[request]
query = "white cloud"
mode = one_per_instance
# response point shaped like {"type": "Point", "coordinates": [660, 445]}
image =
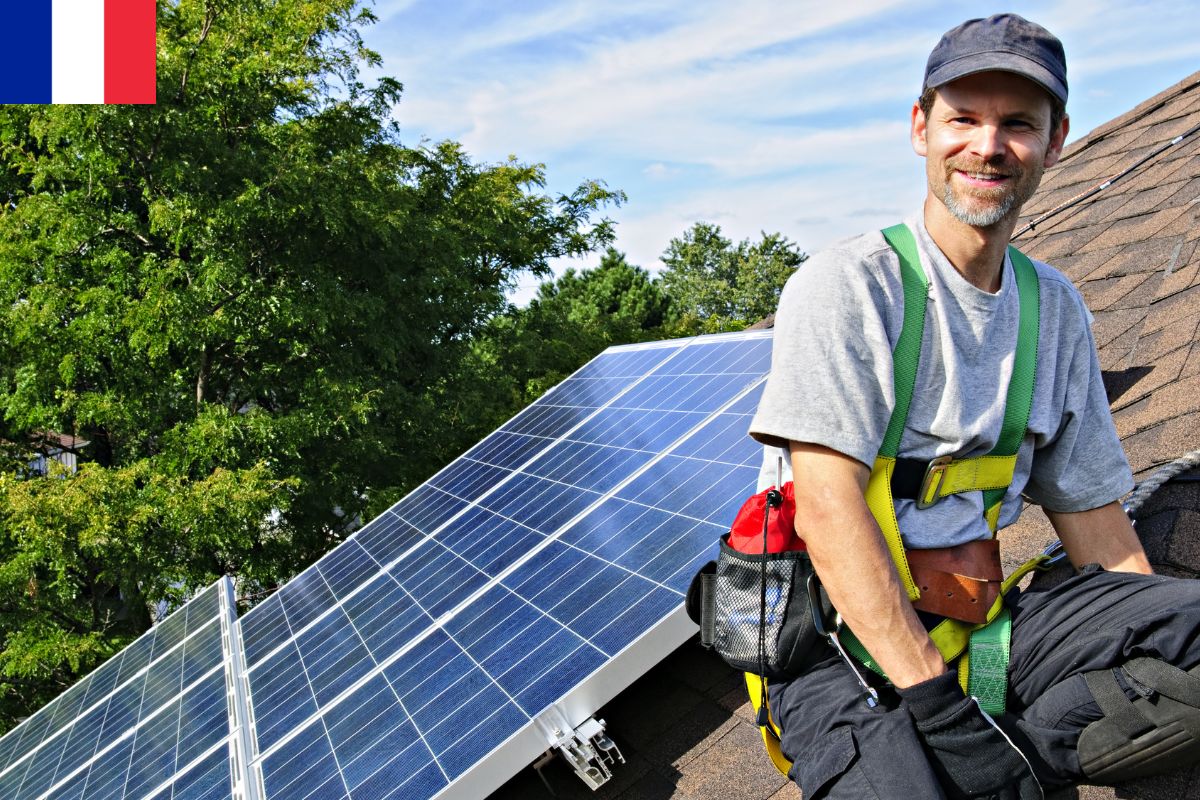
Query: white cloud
{"type": "Point", "coordinates": [854, 146]}
{"type": "Point", "coordinates": [810, 211]}
{"type": "Point", "coordinates": [519, 28]}
{"type": "Point", "coordinates": [764, 116]}
{"type": "Point", "coordinates": [708, 68]}
{"type": "Point", "coordinates": [659, 171]}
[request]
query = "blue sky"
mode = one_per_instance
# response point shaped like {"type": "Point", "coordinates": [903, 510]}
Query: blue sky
{"type": "Point", "coordinates": [776, 116]}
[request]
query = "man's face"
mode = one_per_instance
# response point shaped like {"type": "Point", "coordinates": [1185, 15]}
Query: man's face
{"type": "Point", "coordinates": [986, 142]}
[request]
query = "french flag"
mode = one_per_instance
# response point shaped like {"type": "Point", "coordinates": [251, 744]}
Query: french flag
{"type": "Point", "coordinates": [77, 51]}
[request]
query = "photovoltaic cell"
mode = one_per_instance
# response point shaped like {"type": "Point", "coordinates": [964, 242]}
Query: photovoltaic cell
{"type": "Point", "coordinates": [208, 779]}
{"type": "Point", "coordinates": [443, 498]}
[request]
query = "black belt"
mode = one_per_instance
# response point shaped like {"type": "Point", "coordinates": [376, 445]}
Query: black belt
{"type": "Point", "coordinates": [907, 478]}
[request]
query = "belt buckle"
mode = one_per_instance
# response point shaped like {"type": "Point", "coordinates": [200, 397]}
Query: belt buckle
{"type": "Point", "coordinates": [935, 474]}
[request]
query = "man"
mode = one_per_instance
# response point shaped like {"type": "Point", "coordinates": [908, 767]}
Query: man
{"type": "Point", "coordinates": [990, 121]}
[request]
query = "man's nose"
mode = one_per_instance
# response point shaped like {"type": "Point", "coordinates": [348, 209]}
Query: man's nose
{"type": "Point", "coordinates": [988, 142]}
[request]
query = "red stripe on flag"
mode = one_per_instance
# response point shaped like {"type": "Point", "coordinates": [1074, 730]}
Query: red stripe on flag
{"type": "Point", "coordinates": [129, 51]}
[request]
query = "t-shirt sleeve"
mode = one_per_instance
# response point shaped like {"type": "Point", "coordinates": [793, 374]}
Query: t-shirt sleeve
{"type": "Point", "coordinates": [831, 363]}
{"type": "Point", "coordinates": [1082, 464]}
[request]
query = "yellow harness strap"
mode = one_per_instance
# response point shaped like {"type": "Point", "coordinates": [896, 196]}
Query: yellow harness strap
{"type": "Point", "coordinates": [946, 478]}
{"type": "Point", "coordinates": [770, 733]}
{"type": "Point", "coordinates": [954, 476]}
{"type": "Point", "coordinates": [950, 636]}
{"type": "Point", "coordinates": [879, 500]}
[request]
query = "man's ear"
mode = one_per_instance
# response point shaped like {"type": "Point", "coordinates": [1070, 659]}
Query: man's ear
{"type": "Point", "coordinates": [917, 132]}
{"type": "Point", "coordinates": [1057, 139]}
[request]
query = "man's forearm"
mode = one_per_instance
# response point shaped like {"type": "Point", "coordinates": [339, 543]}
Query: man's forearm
{"type": "Point", "coordinates": [1101, 536]}
{"type": "Point", "coordinates": [851, 558]}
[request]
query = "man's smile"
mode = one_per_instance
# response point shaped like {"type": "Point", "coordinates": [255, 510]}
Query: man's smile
{"type": "Point", "coordinates": [976, 174]}
{"type": "Point", "coordinates": [986, 180]}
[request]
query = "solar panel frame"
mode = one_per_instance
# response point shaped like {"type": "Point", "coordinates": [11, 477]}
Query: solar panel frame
{"type": "Point", "coordinates": [392, 517]}
{"type": "Point", "coordinates": [109, 675]}
{"type": "Point", "coordinates": [613, 677]}
{"type": "Point", "coordinates": [530, 415]}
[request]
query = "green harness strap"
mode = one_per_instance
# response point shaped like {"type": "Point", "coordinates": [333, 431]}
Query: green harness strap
{"type": "Point", "coordinates": [906, 356]}
{"type": "Point", "coordinates": [986, 661]}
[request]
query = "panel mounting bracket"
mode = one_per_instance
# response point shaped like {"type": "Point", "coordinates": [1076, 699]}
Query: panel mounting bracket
{"type": "Point", "coordinates": [588, 749]}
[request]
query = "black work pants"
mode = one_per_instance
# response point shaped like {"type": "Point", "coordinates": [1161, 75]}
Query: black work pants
{"type": "Point", "coordinates": [840, 748]}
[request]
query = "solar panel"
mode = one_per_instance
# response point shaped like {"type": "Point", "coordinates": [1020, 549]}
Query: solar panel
{"type": "Point", "coordinates": [449, 626]}
{"type": "Point", "coordinates": [454, 638]}
{"type": "Point", "coordinates": [153, 713]}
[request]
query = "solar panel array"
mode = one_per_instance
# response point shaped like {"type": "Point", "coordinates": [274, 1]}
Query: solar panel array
{"type": "Point", "coordinates": [438, 650]}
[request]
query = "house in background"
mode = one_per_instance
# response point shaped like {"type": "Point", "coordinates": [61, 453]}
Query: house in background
{"type": "Point", "coordinates": [1120, 215]}
{"type": "Point", "coordinates": [56, 447]}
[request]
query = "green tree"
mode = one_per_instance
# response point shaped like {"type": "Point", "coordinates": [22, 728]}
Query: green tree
{"type": "Point", "coordinates": [248, 299]}
{"type": "Point", "coordinates": [614, 303]}
{"type": "Point", "coordinates": [718, 286]}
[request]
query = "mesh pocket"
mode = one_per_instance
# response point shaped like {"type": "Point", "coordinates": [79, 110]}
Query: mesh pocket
{"type": "Point", "coordinates": [786, 620]}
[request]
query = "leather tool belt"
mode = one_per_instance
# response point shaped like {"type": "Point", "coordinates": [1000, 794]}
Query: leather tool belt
{"type": "Point", "coordinates": [960, 582]}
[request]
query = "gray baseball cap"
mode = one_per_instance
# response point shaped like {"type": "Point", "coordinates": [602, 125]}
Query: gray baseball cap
{"type": "Point", "coordinates": [1004, 42]}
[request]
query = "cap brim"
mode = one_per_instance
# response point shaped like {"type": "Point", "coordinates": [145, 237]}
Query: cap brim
{"type": "Point", "coordinates": [994, 61]}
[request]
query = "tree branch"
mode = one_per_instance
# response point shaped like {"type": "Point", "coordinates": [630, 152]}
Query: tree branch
{"type": "Point", "coordinates": [202, 376]}
{"type": "Point", "coordinates": [210, 16]}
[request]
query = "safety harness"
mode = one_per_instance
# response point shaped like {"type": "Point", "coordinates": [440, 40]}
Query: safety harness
{"type": "Point", "coordinates": [981, 649]}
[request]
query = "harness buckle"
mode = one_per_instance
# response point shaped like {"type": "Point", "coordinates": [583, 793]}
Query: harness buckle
{"type": "Point", "coordinates": [1054, 554]}
{"type": "Point", "coordinates": [931, 485]}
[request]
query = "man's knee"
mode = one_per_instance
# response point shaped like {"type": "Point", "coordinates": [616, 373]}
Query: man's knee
{"type": "Point", "coordinates": [1151, 721]}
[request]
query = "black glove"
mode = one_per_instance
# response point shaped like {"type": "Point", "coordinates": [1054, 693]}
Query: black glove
{"type": "Point", "coordinates": [971, 755]}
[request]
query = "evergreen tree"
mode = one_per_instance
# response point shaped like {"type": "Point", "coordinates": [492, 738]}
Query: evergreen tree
{"type": "Point", "coordinates": [718, 286]}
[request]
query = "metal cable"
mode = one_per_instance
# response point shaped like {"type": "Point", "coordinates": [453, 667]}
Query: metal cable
{"type": "Point", "coordinates": [1143, 490]}
{"type": "Point", "coordinates": [1084, 195]}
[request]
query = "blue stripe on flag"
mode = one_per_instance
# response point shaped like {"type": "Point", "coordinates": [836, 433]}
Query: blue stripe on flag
{"type": "Point", "coordinates": [26, 42]}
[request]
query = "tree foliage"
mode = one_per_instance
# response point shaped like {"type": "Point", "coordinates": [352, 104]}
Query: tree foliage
{"type": "Point", "coordinates": [249, 300]}
{"type": "Point", "coordinates": [572, 319]}
{"type": "Point", "coordinates": [716, 285]}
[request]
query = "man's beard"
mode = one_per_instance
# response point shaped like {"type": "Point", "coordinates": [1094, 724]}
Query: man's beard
{"type": "Point", "coordinates": [1003, 200]}
{"type": "Point", "coordinates": [980, 217]}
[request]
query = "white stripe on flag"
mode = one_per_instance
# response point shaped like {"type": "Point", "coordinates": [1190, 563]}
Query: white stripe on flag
{"type": "Point", "coordinates": [78, 60]}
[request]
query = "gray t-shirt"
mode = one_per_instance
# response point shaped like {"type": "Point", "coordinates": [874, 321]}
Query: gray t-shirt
{"type": "Point", "coordinates": [831, 382]}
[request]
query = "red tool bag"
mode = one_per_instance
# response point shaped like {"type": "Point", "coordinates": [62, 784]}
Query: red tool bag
{"type": "Point", "coordinates": [746, 533]}
{"type": "Point", "coordinates": [754, 608]}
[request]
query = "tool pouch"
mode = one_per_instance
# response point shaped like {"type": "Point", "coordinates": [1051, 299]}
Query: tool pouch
{"type": "Point", "coordinates": [755, 610]}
